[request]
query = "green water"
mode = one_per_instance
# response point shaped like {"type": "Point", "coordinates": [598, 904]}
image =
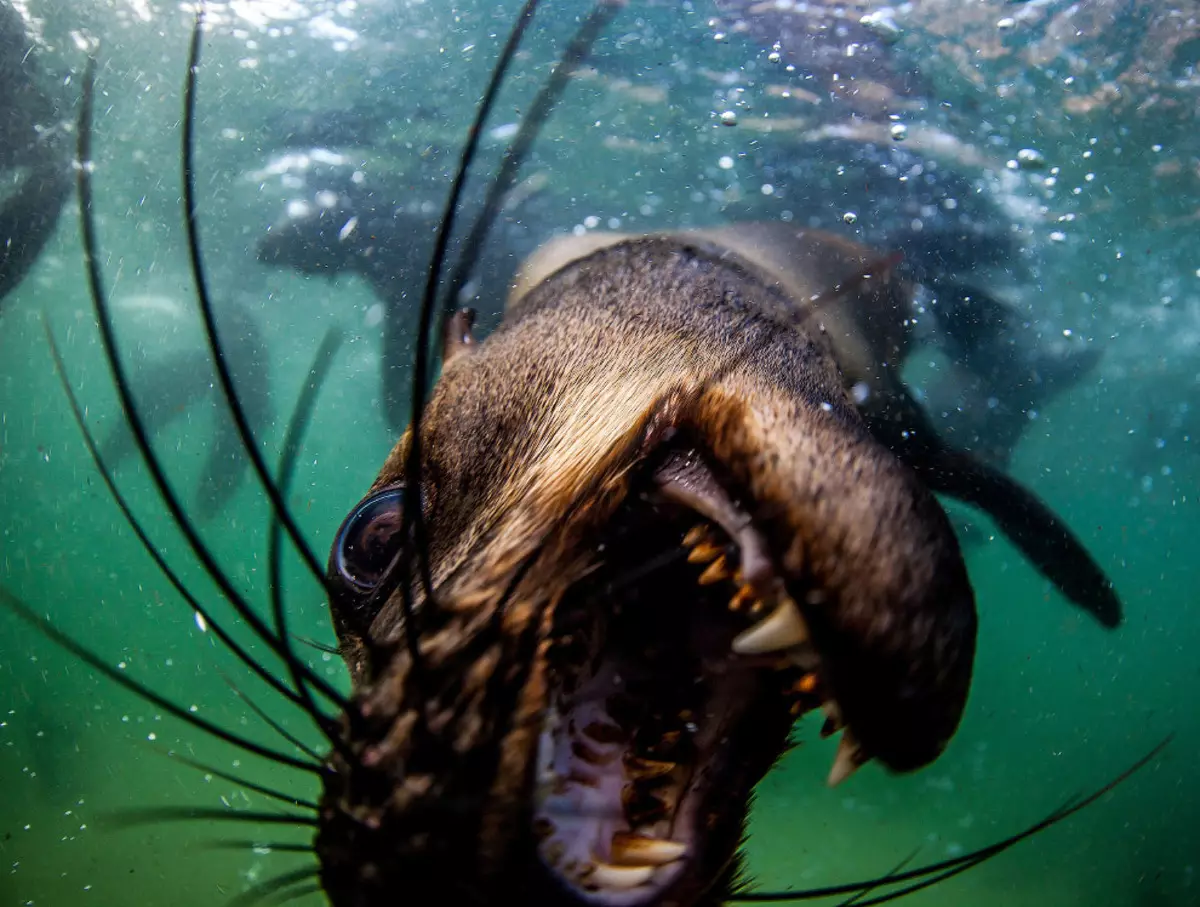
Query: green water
{"type": "Point", "coordinates": [1058, 705]}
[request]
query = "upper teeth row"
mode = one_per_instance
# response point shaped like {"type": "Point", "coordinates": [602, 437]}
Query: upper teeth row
{"type": "Point", "coordinates": [784, 629]}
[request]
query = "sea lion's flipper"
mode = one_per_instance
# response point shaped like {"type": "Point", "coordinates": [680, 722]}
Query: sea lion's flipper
{"type": "Point", "coordinates": [1033, 527]}
{"type": "Point", "coordinates": [975, 322]}
{"type": "Point", "coordinates": [28, 219]}
{"type": "Point", "coordinates": [1003, 371]}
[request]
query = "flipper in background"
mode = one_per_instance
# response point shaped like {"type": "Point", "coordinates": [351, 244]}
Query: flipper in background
{"type": "Point", "coordinates": [35, 161]}
{"type": "Point", "coordinates": [1004, 373]}
{"type": "Point", "coordinates": [1033, 528]}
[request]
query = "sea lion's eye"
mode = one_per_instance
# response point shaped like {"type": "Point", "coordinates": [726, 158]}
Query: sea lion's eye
{"type": "Point", "coordinates": [368, 540]}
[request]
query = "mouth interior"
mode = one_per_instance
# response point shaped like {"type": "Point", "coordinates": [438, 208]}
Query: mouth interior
{"type": "Point", "coordinates": [656, 665]}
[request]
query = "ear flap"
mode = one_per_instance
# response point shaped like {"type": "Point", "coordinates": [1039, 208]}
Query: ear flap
{"type": "Point", "coordinates": [458, 338]}
{"type": "Point", "coordinates": [1034, 528]}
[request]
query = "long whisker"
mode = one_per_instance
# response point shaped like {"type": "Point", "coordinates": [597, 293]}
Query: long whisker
{"type": "Point", "coordinates": [288, 458]}
{"type": "Point", "coordinates": [136, 425]}
{"type": "Point", "coordinates": [516, 153]}
{"type": "Point", "coordinates": [264, 890]}
{"type": "Point", "coordinates": [278, 504]}
{"type": "Point", "coordinates": [242, 782]}
{"type": "Point", "coordinates": [61, 639]}
{"type": "Point", "coordinates": [292, 894]}
{"type": "Point", "coordinates": [272, 723]}
{"type": "Point", "coordinates": [956, 864]}
{"type": "Point", "coordinates": [857, 898]}
{"type": "Point", "coordinates": [247, 844]}
{"type": "Point", "coordinates": [154, 814]}
{"type": "Point", "coordinates": [285, 890]}
{"type": "Point", "coordinates": [412, 517]}
{"type": "Point", "coordinates": [77, 411]}
{"type": "Point", "coordinates": [319, 646]}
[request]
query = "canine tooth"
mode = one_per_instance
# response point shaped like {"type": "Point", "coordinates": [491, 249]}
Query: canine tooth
{"type": "Point", "coordinates": [805, 684]}
{"type": "Point", "coordinates": [646, 769]}
{"type": "Point", "coordinates": [782, 629]}
{"type": "Point", "coordinates": [849, 757]}
{"type": "Point", "coordinates": [741, 598]}
{"type": "Point", "coordinates": [638, 850]}
{"type": "Point", "coordinates": [833, 719]}
{"type": "Point", "coordinates": [705, 552]}
{"type": "Point", "coordinates": [695, 535]}
{"type": "Point", "coordinates": [715, 572]}
{"type": "Point", "coordinates": [622, 878]}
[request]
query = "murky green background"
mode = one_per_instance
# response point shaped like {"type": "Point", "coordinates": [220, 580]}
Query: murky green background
{"type": "Point", "coordinates": [1058, 704]}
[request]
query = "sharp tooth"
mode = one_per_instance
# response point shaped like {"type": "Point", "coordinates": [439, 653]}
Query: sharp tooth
{"type": "Point", "coordinates": [783, 629]}
{"type": "Point", "coordinates": [849, 757]}
{"type": "Point", "coordinates": [695, 535]}
{"type": "Point", "coordinates": [646, 769]}
{"type": "Point", "coordinates": [833, 719]}
{"type": "Point", "coordinates": [705, 552]}
{"type": "Point", "coordinates": [621, 878]}
{"type": "Point", "coordinates": [716, 571]}
{"type": "Point", "coordinates": [805, 684]}
{"type": "Point", "coordinates": [637, 850]}
{"type": "Point", "coordinates": [741, 598]}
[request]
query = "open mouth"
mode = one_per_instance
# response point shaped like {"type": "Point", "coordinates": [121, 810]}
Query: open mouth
{"type": "Point", "coordinates": [678, 669]}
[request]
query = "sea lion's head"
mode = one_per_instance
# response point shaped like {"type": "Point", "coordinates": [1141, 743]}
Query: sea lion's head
{"type": "Point", "coordinates": [656, 530]}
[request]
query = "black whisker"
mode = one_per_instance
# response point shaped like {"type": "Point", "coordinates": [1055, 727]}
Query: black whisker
{"type": "Point", "coordinates": [56, 636]}
{"type": "Point", "coordinates": [272, 723]}
{"type": "Point", "coordinates": [857, 898]}
{"type": "Point", "coordinates": [956, 864]}
{"type": "Point", "coordinates": [236, 410]}
{"type": "Point", "coordinates": [635, 575]}
{"type": "Point", "coordinates": [288, 458]}
{"type": "Point", "coordinates": [319, 646]}
{"type": "Point", "coordinates": [263, 890]}
{"type": "Point", "coordinates": [89, 440]}
{"type": "Point", "coordinates": [242, 782]}
{"type": "Point", "coordinates": [154, 814]}
{"type": "Point", "coordinates": [291, 894]}
{"type": "Point", "coordinates": [516, 153]}
{"type": "Point", "coordinates": [412, 517]}
{"type": "Point", "coordinates": [247, 844]}
{"type": "Point", "coordinates": [133, 417]}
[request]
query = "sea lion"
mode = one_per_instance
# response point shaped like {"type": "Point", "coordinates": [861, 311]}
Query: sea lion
{"type": "Point", "coordinates": [171, 371]}
{"type": "Point", "coordinates": [35, 163]}
{"type": "Point", "coordinates": [587, 713]}
{"type": "Point", "coordinates": [343, 216]}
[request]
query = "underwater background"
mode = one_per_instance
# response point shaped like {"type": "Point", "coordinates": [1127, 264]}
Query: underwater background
{"type": "Point", "coordinates": [677, 120]}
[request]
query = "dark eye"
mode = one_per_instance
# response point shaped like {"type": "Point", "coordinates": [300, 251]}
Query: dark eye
{"type": "Point", "coordinates": [368, 540]}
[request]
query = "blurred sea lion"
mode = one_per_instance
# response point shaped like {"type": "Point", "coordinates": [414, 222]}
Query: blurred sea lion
{"type": "Point", "coordinates": [343, 218]}
{"type": "Point", "coordinates": [171, 371]}
{"type": "Point", "coordinates": [35, 155]}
